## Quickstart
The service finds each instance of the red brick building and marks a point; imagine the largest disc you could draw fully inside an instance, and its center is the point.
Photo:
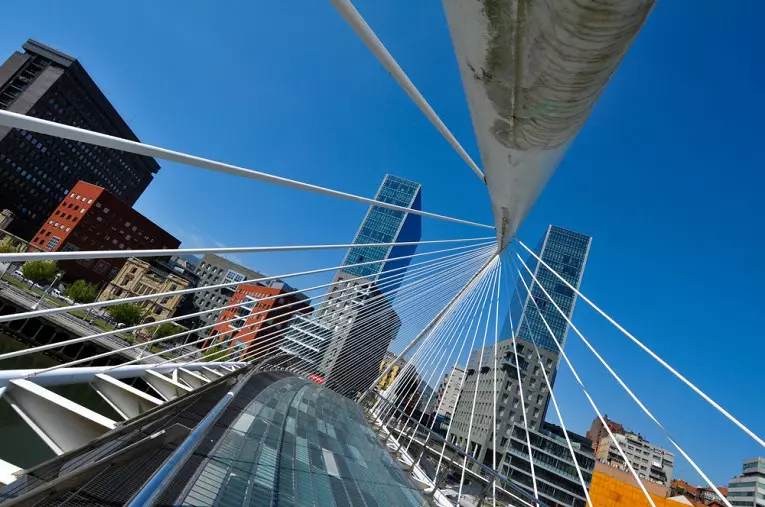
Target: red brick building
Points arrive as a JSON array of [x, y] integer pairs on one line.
[[598, 431], [92, 218], [262, 321]]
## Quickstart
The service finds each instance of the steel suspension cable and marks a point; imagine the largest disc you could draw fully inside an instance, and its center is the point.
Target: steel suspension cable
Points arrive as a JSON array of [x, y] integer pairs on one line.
[[624, 385], [650, 352]]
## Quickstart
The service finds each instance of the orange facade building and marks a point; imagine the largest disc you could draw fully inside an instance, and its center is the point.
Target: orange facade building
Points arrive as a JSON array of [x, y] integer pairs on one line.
[[612, 487], [256, 327]]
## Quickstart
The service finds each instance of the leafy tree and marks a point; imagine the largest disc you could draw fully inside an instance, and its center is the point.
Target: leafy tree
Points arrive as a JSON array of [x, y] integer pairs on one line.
[[213, 353], [7, 247], [82, 292], [166, 329], [40, 272], [125, 313]]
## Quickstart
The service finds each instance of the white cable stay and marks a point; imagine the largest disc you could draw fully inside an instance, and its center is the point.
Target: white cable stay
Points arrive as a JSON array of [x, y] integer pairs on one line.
[[454, 278], [448, 308], [622, 384], [650, 352], [145, 344], [485, 310], [446, 335], [412, 268], [451, 319], [192, 290], [522, 397], [249, 354], [414, 295], [273, 334], [586, 393], [20, 121], [367, 35], [479, 307], [454, 315], [455, 320], [549, 390], [166, 252], [158, 340]]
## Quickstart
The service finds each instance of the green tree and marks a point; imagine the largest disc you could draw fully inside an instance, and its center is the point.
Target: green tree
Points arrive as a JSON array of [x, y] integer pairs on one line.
[[82, 292], [213, 353], [166, 329], [125, 313], [40, 272], [7, 247]]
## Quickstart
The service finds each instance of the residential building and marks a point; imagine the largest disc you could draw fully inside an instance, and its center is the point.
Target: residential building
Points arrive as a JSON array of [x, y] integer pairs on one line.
[[383, 225], [38, 171], [256, 326], [512, 398], [748, 488], [449, 392], [363, 324], [360, 298], [699, 494], [92, 218], [555, 470], [648, 460], [598, 431], [305, 341], [140, 277], [388, 379], [215, 270]]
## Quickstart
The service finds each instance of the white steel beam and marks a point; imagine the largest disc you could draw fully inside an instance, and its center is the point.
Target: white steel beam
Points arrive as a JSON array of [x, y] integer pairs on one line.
[[166, 387], [62, 424], [193, 379], [125, 399]]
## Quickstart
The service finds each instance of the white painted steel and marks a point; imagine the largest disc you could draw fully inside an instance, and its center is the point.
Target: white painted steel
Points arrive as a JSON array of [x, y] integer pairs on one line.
[[365, 33], [532, 72], [62, 424], [31, 124]]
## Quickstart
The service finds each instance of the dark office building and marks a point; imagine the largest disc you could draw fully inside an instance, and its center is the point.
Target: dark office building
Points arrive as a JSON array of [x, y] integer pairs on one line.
[[38, 171]]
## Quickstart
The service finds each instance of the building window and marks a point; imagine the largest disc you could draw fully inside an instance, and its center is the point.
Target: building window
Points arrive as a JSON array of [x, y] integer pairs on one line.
[[101, 267], [52, 243]]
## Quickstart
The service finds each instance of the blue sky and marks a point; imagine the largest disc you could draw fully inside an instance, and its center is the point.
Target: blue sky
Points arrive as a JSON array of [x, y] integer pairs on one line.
[[666, 174]]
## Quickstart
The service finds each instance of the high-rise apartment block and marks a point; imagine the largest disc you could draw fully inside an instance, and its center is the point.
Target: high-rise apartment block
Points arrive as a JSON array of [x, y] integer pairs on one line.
[[358, 306], [566, 252], [38, 171], [748, 489], [92, 218], [449, 391], [648, 460], [215, 270], [364, 323], [383, 225]]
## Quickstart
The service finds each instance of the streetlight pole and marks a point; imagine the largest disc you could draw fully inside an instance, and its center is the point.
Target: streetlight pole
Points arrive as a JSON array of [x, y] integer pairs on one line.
[[45, 292]]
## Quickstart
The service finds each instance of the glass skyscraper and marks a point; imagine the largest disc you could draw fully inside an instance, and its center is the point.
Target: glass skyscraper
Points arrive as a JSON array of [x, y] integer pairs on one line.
[[566, 252], [383, 225]]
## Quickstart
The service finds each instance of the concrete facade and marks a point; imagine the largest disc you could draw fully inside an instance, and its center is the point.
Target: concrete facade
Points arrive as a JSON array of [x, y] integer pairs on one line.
[[648, 460], [38, 171], [363, 324], [215, 270], [748, 489], [449, 392], [509, 403]]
